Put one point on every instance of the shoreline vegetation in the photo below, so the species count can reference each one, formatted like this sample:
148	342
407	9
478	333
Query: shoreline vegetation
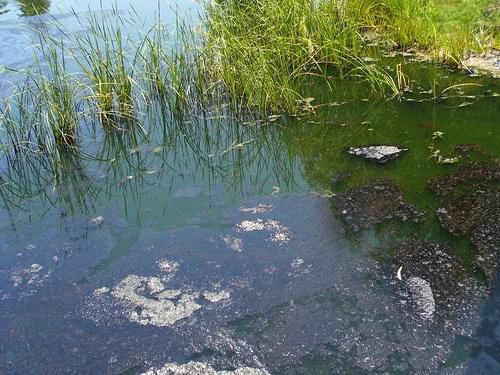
248	56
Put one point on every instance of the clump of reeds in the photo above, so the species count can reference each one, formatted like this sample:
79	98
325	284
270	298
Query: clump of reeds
262	51
104	59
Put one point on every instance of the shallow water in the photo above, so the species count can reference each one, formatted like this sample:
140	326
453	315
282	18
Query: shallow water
215	241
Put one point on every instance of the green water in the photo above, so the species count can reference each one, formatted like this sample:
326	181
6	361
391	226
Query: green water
306	295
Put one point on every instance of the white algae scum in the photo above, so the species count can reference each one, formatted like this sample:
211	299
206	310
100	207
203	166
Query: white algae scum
147	301
279	233
163	308
198	368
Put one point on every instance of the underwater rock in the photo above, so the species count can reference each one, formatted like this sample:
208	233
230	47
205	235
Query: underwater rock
437	283
371	204
340	177
199	368
422	296
483	171
474	210
377	153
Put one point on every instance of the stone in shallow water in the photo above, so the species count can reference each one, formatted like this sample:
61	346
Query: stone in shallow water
375	203
471	207
437	283
422	296
378	153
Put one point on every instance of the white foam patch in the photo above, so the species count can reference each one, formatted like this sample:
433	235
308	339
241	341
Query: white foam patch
278	232
422	295
199	368
30	278
156	309
217	296
234	243
299	268
168	266
148	301
259	209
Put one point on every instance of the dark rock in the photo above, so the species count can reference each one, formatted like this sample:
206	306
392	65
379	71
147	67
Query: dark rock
471	207
434	281
474	171
377	153
468	148
375	203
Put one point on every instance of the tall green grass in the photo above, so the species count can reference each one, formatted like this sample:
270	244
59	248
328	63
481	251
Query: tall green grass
253	56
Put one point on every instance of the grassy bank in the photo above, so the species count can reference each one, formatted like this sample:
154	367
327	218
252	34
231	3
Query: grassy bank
246	55
262	50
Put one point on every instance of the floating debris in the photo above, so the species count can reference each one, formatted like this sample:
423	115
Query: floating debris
378	153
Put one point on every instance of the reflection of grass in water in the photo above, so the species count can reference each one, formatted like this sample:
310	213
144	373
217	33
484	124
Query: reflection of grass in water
128	163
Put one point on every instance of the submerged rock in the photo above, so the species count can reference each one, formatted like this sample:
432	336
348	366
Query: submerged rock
471	207
378	153
375	203
435	282
422	296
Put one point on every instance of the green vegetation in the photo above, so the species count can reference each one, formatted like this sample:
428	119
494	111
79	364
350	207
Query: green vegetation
262	50
258	55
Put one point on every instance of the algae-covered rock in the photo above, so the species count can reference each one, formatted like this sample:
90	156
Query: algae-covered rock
433	280
471	207
374	203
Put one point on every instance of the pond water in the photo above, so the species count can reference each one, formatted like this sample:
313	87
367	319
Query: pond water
219	243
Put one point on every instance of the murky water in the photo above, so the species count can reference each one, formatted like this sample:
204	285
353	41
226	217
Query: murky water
217	244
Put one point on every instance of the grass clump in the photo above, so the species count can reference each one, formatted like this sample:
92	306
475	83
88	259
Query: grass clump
101	55
262	51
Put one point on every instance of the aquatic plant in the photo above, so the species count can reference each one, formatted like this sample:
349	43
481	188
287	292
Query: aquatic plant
102	56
